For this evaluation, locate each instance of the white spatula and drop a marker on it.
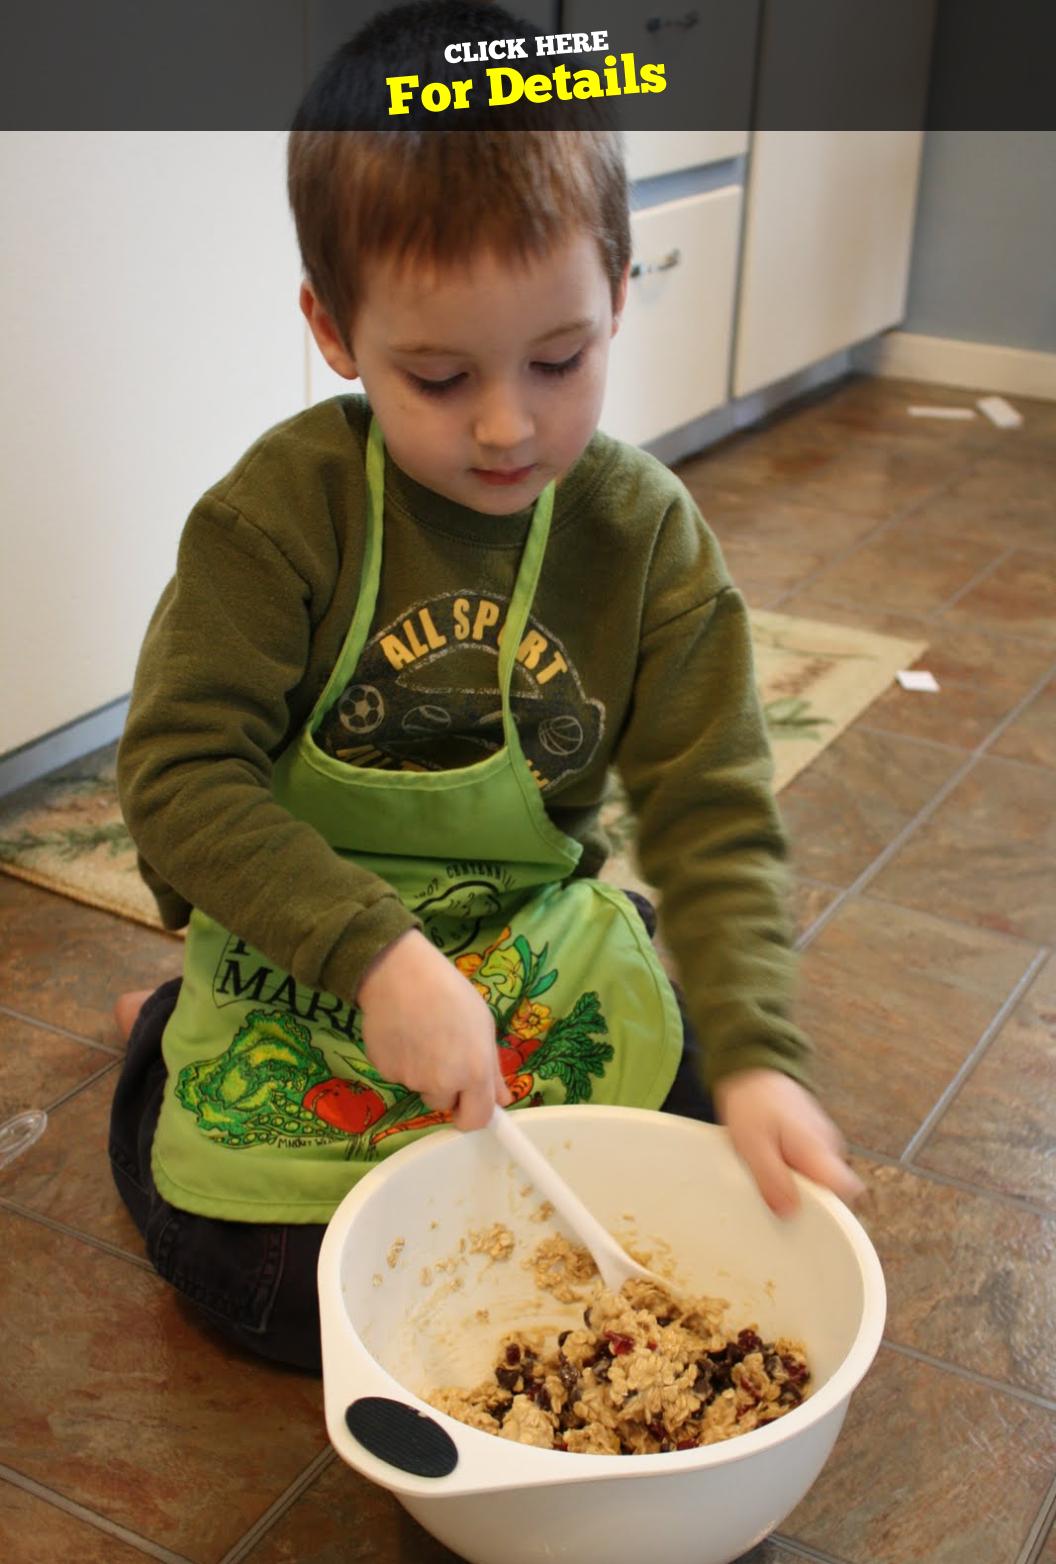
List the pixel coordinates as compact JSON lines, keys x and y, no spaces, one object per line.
{"x":614,"y":1263}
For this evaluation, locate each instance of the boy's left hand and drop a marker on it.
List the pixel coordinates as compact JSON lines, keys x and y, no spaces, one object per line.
{"x":776,"y":1124}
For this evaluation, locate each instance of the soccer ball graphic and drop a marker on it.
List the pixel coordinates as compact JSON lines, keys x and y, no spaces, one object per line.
{"x":361,"y":709}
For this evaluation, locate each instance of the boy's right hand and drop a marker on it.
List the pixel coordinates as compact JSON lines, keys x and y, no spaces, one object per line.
{"x":426,"y":1026}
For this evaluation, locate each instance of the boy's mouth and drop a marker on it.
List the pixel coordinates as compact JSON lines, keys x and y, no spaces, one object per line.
{"x":502,"y":475}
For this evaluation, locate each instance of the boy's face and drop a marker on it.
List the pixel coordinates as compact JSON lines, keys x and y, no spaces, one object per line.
{"x":487,"y":379}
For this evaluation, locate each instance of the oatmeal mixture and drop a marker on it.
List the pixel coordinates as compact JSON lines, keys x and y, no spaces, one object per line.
{"x":644,"y":1375}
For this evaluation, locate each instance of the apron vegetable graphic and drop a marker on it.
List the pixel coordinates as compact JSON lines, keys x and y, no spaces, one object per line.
{"x":274,"y":1085}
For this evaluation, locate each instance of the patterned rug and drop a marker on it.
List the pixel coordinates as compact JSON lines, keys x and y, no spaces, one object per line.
{"x":66,"y":833}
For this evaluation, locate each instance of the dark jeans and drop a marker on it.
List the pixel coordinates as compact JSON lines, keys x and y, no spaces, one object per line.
{"x":255,"y":1281}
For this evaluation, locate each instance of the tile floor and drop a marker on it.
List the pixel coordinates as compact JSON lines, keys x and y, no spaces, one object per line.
{"x":925,"y":840}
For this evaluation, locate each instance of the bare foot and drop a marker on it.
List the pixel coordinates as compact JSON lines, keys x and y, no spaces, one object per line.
{"x":127,"y":1009}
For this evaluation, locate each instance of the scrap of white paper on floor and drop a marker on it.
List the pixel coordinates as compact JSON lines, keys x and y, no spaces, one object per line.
{"x":927,"y":410}
{"x":917,"y":679}
{"x":1000,"y":412}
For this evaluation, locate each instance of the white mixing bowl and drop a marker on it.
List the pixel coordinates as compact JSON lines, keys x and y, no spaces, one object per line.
{"x":399,"y":1320}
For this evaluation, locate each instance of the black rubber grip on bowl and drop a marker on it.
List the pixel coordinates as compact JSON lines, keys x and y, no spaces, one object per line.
{"x":402,"y":1436}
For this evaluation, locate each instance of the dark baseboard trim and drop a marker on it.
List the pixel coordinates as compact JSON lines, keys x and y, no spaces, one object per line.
{"x":57,"y":749}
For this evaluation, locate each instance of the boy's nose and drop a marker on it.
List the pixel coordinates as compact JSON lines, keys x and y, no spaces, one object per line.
{"x":502,"y":422}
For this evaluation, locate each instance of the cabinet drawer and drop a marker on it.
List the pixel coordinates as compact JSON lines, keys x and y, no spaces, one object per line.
{"x":670,"y":358}
{"x":652,"y":152}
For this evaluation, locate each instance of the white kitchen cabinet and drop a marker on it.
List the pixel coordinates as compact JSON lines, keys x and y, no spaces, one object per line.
{"x":148,"y":288}
{"x":827,"y":243}
{"x":670,"y":359}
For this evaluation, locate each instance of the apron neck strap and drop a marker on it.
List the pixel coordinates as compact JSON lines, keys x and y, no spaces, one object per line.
{"x":528,"y":570}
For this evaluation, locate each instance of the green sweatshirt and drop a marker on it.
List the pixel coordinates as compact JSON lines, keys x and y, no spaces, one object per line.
{"x":637,"y":655}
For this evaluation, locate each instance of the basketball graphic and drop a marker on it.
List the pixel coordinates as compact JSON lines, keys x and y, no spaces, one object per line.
{"x":561,"y":735}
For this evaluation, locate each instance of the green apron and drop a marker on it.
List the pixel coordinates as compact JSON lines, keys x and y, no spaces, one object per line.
{"x":272,"y":1109}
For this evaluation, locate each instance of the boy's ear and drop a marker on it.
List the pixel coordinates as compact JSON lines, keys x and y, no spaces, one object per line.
{"x":620,"y":300}
{"x":328,"y":338}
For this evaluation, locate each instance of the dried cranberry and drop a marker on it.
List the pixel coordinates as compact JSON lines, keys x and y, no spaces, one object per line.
{"x":513,"y":1353}
{"x":798,"y":1373}
{"x":657,"y":1430}
{"x":651,"y":1345}
{"x":748,"y":1341}
{"x":686,"y":1444}
{"x":559,"y":1444}
{"x":619,"y":1345}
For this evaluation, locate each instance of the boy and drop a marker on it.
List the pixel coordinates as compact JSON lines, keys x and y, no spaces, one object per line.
{"x":372,"y":720}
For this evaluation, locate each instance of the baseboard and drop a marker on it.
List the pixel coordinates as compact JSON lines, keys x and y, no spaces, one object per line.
{"x":973,"y":366}
{"x":54,"y":750}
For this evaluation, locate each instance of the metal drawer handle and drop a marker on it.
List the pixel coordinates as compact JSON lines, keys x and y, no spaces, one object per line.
{"x":654,"y":24}
{"x":671,"y":259}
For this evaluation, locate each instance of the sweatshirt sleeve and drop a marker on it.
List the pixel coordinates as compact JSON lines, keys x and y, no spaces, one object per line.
{"x":695,"y":760}
{"x":226,"y":646}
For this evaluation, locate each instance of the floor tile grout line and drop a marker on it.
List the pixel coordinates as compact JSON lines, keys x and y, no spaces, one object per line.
{"x":884,"y":857}
{"x":949,"y":749}
{"x":1000,"y":1386}
{"x":62,"y":1031}
{"x":920,"y":1136}
{"x":838,"y":558}
{"x":906,"y":513}
{"x":279,"y":1507}
{"x":961,"y":923}
{"x":16,"y":1208}
{"x":81,"y":1086}
{"x":976,"y":580}
{"x":80,"y":1512}
{"x":1038,"y":1534}
{"x":924,"y":814}
{"x":803,"y":1550}
{"x":927,"y":620}
{"x":908,"y":738}
{"x":950,"y":1181}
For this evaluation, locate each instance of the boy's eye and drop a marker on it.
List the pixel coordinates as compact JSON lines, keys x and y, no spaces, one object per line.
{"x":435,"y":387}
{"x":565,"y":367}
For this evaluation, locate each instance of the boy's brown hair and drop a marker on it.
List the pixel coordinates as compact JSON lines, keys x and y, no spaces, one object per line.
{"x":438,"y":198}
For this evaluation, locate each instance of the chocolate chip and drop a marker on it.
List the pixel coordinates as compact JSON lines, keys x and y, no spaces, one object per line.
{"x":569,"y":1377}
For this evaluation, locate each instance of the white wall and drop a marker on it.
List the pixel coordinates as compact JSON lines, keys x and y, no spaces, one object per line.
{"x":984,"y":252}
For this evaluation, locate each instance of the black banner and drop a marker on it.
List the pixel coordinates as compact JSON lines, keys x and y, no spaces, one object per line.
{"x":640,"y":64}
